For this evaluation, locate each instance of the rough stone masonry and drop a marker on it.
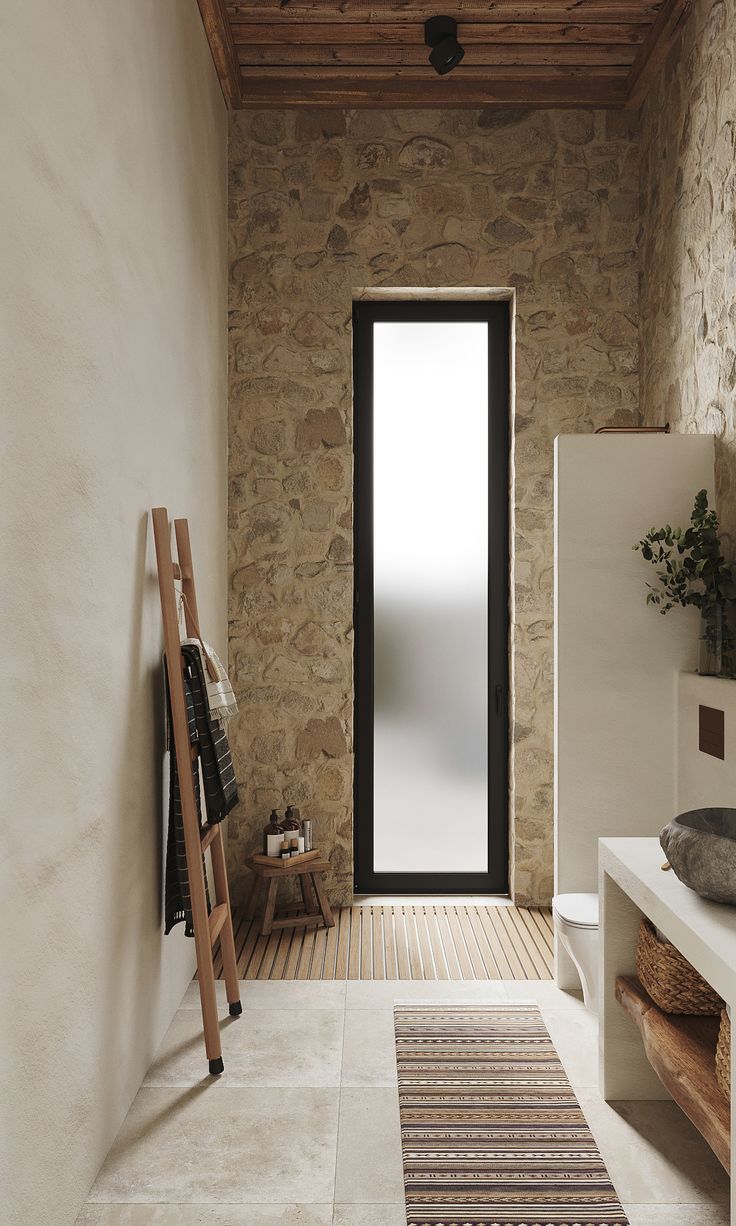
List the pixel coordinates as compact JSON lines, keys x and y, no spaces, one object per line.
{"x":322,"y":205}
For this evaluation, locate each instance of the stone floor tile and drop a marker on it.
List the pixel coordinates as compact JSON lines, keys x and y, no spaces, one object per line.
{"x":369,"y":1048}
{"x":206,"y":1215}
{"x":653,"y":1153}
{"x":262,"y":1047}
{"x":575,"y":1036}
{"x":276,"y":994}
{"x":543,"y":992}
{"x":369,"y":1167}
{"x":369,"y":1215}
{"x":383,"y":994}
{"x":676,"y":1215}
{"x":211,"y":1144}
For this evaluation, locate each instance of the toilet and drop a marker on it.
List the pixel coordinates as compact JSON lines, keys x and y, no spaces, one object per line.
{"x":576,"y":924}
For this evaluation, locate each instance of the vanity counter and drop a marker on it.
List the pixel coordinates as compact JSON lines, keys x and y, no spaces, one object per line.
{"x":632,"y":884}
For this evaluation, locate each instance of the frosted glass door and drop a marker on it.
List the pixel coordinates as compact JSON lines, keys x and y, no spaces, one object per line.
{"x":430,"y":593}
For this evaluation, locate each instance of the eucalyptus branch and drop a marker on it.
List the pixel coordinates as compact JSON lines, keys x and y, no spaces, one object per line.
{"x":689,"y":564}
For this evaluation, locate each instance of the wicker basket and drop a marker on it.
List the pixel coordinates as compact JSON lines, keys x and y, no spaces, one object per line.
{"x":723,"y":1055}
{"x":670,"y":980}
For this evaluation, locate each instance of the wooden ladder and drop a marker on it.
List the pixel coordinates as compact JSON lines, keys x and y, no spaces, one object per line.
{"x":197,"y":838}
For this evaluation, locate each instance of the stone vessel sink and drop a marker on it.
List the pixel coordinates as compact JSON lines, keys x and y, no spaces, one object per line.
{"x":701,"y":847}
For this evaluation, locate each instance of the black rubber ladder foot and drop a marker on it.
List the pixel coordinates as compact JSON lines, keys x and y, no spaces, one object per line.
{"x":216,"y":1067}
{"x":236,"y":1009}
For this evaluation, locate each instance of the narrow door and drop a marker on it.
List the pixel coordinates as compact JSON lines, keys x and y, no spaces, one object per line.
{"x":431,"y":413}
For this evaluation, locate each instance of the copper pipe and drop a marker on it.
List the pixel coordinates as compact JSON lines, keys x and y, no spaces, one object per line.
{"x":665,"y":429}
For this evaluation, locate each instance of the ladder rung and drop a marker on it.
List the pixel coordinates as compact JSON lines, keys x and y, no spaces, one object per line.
{"x":207,"y":835}
{"x":218,"y":915}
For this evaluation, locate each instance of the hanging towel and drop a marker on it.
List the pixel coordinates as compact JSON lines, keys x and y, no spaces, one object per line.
{"x":220,"y":694}
{"x":220,"y":788}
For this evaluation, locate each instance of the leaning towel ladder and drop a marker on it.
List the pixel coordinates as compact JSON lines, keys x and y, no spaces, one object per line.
{"x":197,"y":838}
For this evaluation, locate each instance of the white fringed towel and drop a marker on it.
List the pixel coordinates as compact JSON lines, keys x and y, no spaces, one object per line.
{"x":220,"y":693}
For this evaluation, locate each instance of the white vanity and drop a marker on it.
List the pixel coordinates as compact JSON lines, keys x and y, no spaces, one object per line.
{"x":632,"y":884}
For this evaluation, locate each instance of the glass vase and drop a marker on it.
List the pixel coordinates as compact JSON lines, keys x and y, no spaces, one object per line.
{"x":712,"y":637}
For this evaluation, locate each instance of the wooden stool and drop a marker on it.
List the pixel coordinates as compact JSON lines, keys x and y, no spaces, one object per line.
{"x":310,"y":873}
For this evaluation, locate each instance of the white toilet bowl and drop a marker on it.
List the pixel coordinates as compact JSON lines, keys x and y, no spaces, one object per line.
{"x":576,"y":924}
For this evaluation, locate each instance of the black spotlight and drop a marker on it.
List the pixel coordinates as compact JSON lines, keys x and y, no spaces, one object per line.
{"x":440,"y":33}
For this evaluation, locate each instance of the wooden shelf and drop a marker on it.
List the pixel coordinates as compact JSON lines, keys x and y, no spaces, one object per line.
{"x":681,"y":1050}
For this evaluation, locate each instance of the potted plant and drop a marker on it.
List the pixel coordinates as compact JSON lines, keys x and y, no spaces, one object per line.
{"x":691,"y":570}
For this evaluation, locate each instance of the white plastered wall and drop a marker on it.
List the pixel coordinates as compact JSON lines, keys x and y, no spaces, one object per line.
{"x":702,"y":780}
{"x":616,"y":659}
{"x":113,"y":373}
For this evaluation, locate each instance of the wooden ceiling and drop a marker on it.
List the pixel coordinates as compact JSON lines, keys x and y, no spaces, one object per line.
{"x":350,"y":53}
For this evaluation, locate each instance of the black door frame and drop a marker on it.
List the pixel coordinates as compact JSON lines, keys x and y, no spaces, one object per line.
{"x":497,"y":315}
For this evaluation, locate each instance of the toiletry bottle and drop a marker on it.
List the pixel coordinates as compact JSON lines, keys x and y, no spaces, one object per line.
{"x":307,"y":834}
{"x":285,"y":851}
{"x":291,"y":823}
{"x":273,"y":835}
{"x":293,"y":847}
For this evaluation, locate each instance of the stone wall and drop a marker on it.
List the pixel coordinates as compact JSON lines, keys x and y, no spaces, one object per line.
{"x":688,"y":316}
{"x":323,"y":205}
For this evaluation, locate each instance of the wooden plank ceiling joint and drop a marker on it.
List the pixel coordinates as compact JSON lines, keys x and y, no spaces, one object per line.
{"x":217,"y":27}
{"x":371,"y":52}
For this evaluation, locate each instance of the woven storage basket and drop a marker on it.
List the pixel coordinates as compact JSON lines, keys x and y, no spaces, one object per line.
{"x":670,"y":980}
{"x":723,"y":1055}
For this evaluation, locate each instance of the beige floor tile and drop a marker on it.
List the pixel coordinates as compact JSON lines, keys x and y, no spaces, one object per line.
{"x":213,"y":1144}
{"x":653,"y":1153}
{"x":575,"y":1036}
{"x":369,"y":1048}
{"x":383,"y":994}
{"x":369,"y":1168}
{"x":260,"y":1048}
{"x":369,"y":1215}
{"x":543,"y":992}
{"x":206,"y":1215}
{"x":676,"y":1215}
{"x":276,"y":994}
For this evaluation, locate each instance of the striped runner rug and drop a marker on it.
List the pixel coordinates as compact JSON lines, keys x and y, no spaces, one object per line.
{"x":491,"y":1132}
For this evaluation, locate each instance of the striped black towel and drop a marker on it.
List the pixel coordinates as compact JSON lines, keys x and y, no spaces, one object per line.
{"x":220,"y":788}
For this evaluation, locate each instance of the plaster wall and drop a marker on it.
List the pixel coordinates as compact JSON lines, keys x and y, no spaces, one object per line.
{"x":616,"y":658}
{"x":701,"y":780}
{"x":113,"y":370}
{"x":324,"y":206}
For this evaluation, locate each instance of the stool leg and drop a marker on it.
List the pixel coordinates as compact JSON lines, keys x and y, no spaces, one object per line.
{"x":308,"y":896}
{"x":270,"y":906}
{"x":322,"y":899}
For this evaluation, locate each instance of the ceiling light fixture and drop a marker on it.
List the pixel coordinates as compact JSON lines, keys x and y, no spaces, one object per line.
{"x":440,"y":33}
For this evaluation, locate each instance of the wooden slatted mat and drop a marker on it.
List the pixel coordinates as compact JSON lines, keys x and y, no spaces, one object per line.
{"x":402,"y":942}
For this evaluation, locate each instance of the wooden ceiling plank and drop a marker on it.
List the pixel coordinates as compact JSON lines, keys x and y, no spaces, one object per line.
{"x":629,"y":12}
{"x":655,"y":49}
{"x":521,"y":92}
{"x":306,"y":34}
{"x":219,"y":36}
{"x":344,"y":77}
{"x":476,"y":55}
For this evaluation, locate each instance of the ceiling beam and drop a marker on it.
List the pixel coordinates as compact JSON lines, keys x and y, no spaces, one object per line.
{"x":628,"y":12}
{"x":435,"y":86}
{"x":566,"y":89}
{"x":308,"y":34}
{"x":655,"y":49}
{"x":475,"y":56}
{"x":219,"y":36}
